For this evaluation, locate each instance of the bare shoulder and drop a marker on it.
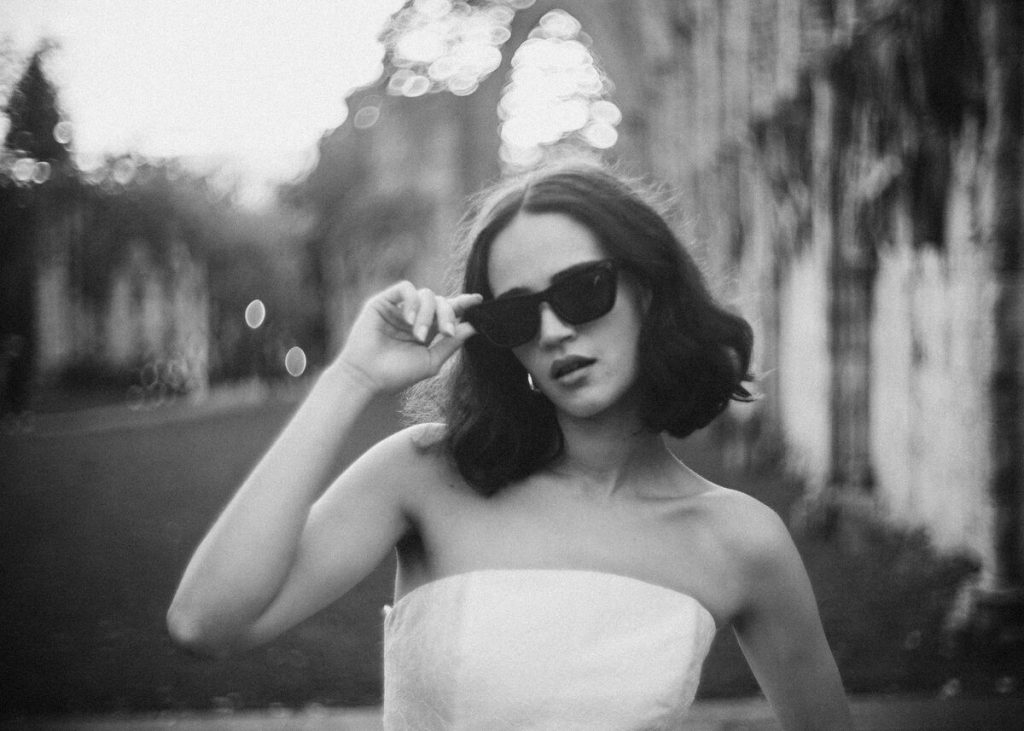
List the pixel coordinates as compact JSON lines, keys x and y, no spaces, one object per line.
{"x":752,"y":533}
{"x":754,"y":549}
{"x":415,"y":451}
{"x":415,"y":463}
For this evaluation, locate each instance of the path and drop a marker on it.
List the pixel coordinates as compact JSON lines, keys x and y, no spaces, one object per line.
{"x":873,"y":713}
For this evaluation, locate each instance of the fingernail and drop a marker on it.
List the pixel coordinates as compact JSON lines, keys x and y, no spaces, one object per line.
{"x":410,"y":316}
{"x":420,"y":333}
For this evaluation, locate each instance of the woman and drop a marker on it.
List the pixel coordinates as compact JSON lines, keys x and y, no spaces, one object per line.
{"x":558,"y":567}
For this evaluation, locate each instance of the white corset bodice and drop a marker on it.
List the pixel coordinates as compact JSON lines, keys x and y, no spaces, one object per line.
{"x":542,"y":649}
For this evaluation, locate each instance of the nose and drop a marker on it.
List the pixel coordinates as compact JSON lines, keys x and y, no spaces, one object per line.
{"x":553,"y":329}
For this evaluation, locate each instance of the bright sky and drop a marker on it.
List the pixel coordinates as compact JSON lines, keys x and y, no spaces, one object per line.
{"x":249,"y":83}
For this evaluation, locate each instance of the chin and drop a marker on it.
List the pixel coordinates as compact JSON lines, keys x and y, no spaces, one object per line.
{"x":581,"y":412}
{"x":591,"y":406}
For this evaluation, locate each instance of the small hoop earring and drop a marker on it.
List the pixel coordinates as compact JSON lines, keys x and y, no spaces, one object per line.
{"x":529,"y":381}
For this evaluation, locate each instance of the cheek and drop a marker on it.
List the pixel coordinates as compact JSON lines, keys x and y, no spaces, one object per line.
{"x":628,"y":334}
{"x":628,"y":315}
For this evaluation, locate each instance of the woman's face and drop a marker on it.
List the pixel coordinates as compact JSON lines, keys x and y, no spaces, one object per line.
{"x":583,"y":369}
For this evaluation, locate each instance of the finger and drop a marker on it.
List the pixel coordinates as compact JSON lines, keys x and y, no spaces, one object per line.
{"x":404,"y":298}
{"x":427,"y":306}
{"x":445,"y":317}
{"x":461,"y":303}
{"x":463,"y":332}
{"x":444,"y":348}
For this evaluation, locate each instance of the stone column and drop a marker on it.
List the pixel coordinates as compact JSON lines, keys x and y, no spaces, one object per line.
{"x":999,"y":619}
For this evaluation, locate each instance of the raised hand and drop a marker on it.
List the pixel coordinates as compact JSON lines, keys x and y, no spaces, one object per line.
{"x":403,"y":335}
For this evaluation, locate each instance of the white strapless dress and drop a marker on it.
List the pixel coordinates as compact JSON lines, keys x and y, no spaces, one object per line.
{"x":542,"y":649}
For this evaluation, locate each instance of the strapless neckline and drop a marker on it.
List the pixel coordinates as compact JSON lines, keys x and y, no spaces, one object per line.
{"x":543,"y":649}
{"x":612,"y":577}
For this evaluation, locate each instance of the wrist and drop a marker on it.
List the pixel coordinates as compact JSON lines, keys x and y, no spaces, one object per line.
{"x":345,"y":377}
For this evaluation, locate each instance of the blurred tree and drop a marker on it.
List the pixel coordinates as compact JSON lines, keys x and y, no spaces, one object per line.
{"x":33,"y":156}
{"x":34,"y":114}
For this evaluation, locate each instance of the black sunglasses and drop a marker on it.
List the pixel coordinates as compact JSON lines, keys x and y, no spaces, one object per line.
{"x":577,"y":295}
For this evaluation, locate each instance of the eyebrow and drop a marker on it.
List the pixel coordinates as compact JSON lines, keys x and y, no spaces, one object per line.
{"x":555,"y":279}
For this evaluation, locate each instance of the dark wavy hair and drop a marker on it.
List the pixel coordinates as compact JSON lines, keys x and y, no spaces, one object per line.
{"x":693,"y":355}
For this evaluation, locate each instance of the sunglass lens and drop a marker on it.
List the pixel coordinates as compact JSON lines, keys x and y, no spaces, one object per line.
{"x":585,"y":296}
{"x":506,"y":324}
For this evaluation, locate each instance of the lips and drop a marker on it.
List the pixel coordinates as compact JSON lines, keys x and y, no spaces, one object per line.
{"x":564,"y":366}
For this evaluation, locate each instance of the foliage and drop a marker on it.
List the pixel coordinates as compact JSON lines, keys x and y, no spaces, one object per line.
{"x":160,"y":206}
{"x":34,"y":115}
{"x":911,"y":77}
{"x":33,"y":153}
{"x":128,"y":206}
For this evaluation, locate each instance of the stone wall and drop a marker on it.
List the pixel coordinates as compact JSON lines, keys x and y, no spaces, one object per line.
{"x":854,"y":227}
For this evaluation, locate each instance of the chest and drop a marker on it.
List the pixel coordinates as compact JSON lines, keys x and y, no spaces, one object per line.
{"x":665,"y":542}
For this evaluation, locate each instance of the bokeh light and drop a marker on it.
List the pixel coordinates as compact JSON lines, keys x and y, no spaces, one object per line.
{"x":366,"y":116}
{"x":124,"y":170}
{"x":440,"y":45}
{"x":62,"y":132}
{"x":24,"y":168}
{"x":295,"y":361}
{"x":160,"y":381}
{"x":41,"y":172}
{"x":255,"y":313}
{"x":556,"y":93}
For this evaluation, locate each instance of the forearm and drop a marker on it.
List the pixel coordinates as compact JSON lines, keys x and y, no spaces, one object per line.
{"x":245,"y":558}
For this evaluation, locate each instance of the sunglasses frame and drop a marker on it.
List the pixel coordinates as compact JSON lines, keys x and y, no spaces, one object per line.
{"x":533,"y":300}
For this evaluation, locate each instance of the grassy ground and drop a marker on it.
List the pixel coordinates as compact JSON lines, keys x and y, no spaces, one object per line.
{"x":95,"y":530}
{"x":96,"y":527}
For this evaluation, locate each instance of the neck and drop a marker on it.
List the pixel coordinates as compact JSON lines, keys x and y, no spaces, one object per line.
{"x":608,"y":455}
